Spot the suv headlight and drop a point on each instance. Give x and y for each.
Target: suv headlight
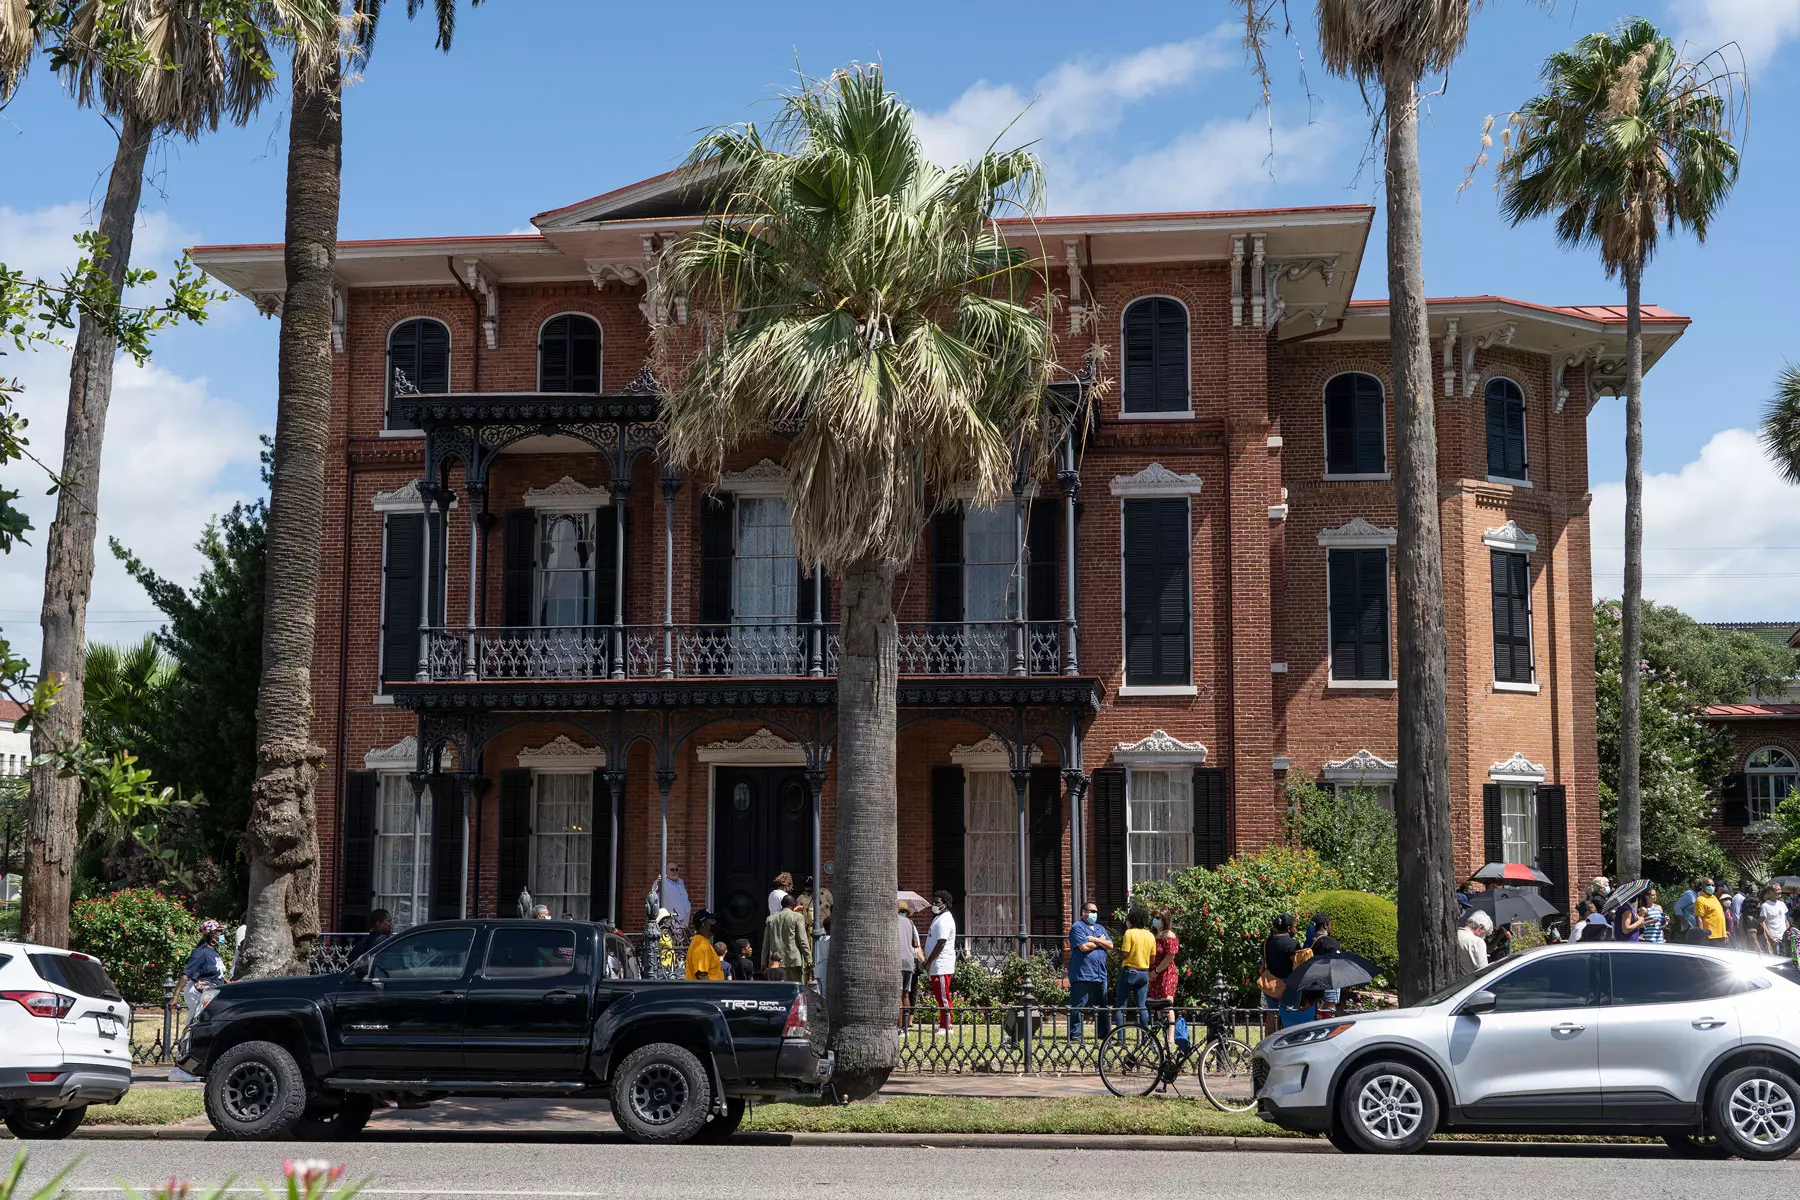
(1309, 1035)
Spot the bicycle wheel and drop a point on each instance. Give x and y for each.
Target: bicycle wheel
(1131, 1060)
(1223, 1066)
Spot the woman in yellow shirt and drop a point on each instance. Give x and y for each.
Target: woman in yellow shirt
(1137, 948)
(702, 959)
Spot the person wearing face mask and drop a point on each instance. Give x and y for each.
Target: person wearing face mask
(940, 957)
(1710, 914)
(1162, 967)
(1136, 950)
(1089, 944)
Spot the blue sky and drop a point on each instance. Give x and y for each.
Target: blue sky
(543, 102)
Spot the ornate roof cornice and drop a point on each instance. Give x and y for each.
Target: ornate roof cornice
(1357, 534)
(1158, 749)
(1156, 480)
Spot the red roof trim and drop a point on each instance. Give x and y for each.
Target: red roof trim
(557, 212)
(1193, 215)
(11, 710)
(416, 241)
(1610, 314)
(1751, 710)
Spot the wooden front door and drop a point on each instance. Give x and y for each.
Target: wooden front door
(762, 826)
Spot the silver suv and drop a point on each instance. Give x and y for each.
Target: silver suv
(1697, 1046)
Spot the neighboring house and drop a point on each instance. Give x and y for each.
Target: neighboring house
(1195, 604)
(1765, 737)
(15, 745)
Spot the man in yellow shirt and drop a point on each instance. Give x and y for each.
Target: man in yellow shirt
(702, 959)
(1136, 949)
(1710, 914)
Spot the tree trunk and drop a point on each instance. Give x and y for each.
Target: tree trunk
(863, 986)
(1422, 797)
(1628, 844)
(51, 836)
(281, 841)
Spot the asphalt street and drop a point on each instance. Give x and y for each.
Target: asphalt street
(603, 1168)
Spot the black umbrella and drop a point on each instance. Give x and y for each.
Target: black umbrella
(1507, 905)
(1338, 969)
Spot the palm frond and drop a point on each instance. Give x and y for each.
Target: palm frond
(1780, 429)
(1357, 37)
(16, 38)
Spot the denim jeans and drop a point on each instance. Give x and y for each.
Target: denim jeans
(1133, 986)
(1088, 993)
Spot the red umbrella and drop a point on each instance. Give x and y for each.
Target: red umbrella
(1512, 873)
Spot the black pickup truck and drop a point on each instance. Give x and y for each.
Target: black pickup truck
(501, 1008)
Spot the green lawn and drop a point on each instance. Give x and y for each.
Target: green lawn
(1093, 1115)
(149, 1106)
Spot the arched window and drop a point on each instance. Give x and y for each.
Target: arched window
(1156, 356)
(1355, 426)
(1506, 430)
(569, 354)
(418, 349)
(1771, 775)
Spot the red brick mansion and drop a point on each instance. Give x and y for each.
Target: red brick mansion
(1112, 675)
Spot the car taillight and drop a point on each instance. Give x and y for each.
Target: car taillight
(42, 1004)
(796, 1018)
(41, 1076)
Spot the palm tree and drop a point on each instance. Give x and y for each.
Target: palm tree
(281, 839)
(1781, 424)
(877, 313)
(1628, 138)
(193, 63)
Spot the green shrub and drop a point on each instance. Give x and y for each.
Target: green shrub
(973, 984)
(140, 936)
(1362, 923)
(1222, 916)
(1046, 981)
(1351, 832)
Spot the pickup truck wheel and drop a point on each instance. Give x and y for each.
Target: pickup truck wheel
(724, 1125)
(255, 1090)
(661, 1094)
(44, 1124)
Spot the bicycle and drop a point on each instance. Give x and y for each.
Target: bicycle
(1135, 1061)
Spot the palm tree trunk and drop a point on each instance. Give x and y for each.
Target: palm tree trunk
(1628, 843)
(863, 987)
(51, 836)
(281, 840)
(1422, 799)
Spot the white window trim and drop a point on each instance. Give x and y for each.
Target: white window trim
(989, 754)
(1156, 480)
(1362, 767)
(1517, 769)
(1352, 536)
(763, 748)
(421, 893)
(1188, 413)
(1524, 426)
(599, 356)
(562, 756)
(567, 495)
(1750, 772)
(1165, 767)
(1325, 451)
(1529, 689)
(406, 497)
(1511, 538)
(766, 478)
(1157, 750)
(1126, 688)
(558, 764)
(1518, 483)
(387, 369)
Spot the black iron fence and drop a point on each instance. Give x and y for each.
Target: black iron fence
(155, 1032)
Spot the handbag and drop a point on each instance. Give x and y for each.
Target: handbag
(1268, 984)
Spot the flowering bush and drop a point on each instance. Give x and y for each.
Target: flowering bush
(140, 936)
(1362, 923)
(1223, 915)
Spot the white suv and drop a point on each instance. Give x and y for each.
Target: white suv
(1697, 1046)
(64, 1039)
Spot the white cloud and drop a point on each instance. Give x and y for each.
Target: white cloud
(1074, 114)
(1719, 535)
(1757, 26)
(171, 444)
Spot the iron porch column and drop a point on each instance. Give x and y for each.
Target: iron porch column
(620, 488)
(671, 484)
(1021, 777)
(615, 785)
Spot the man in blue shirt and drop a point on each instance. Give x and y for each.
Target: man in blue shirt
(1684, 913)
(1088, 946)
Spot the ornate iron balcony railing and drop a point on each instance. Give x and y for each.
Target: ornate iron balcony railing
(771, 649)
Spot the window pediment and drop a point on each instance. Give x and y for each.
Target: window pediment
(1361, 767)
(1510, 537)
(562, 753)
(1517, 769)
(1159, 749)
(762, 748)
(766, 478)
(1156, 480)
(1357, 533)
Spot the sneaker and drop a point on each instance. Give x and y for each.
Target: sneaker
(177, 1075)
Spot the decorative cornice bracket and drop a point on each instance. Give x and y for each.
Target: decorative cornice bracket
(483, 283)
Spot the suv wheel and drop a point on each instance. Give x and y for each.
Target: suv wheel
(1387, 1108)
(661, 1094)
(722, 1126)
(1756, 1112)
(44, 1124)
(255, 1090)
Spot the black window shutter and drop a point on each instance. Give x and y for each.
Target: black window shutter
(1174, 590)
(1371, 427)
(584, 355)
(1171, 357)
(1496, 433)
(606, 564)
(518, 557)
(569, 354)
(401, 596)
(1157, 591)
(716, 516)
(446, 848)
(1108, 792)
(947, 565)
(1341, 597)
(1512, 616)
(515, 839)
(1043, 544)
(1139, 374)
(1212, 818)
(553, 356)
(1493, 838)
(1553, 840)
(403, 356)
(1045, 821)
(1372, 618)
(947, 831)
(1340, 426)
(434, 358)
(356, 846)
(1156, 356)
(1734, 800)
(1505, 430)
(600, 866)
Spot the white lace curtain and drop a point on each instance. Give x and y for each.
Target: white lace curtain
(394, 880)
(991, 855)
(1160, 823)
(561, 845)
(767, 574)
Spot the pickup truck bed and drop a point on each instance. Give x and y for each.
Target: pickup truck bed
(502, 1008)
